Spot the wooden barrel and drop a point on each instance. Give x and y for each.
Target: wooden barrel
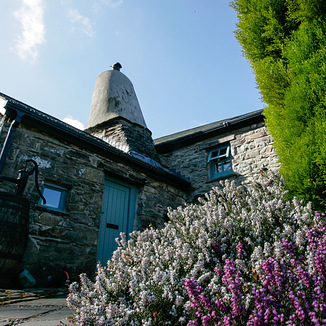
(14, 227)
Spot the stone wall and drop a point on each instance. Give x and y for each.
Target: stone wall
(68, 240)
(251, 150)
(126, 136)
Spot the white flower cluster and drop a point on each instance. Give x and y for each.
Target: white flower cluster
(142, 283)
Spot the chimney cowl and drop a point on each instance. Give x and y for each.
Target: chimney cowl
(117, 66)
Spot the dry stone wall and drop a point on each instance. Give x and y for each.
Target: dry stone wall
(68, 240)
(251, 150)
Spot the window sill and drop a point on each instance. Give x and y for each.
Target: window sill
(223, 177)
(52, 210)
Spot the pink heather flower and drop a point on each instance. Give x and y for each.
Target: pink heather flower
(240, 248)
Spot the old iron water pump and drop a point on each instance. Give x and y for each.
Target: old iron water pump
(14, 222)
(22, 178)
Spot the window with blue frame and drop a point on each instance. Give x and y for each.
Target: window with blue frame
(55, 197)
(220, 162)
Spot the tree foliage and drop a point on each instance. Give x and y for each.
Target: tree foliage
(285, 43)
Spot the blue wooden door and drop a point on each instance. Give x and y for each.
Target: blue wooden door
(118, 212)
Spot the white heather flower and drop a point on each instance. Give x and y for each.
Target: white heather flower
(257, 256)
(278, 250)
(248, 299)
(300, 238)
(150, 269)
(311, 263)
(267, 250)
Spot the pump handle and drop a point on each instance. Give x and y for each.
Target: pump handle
(35, 168)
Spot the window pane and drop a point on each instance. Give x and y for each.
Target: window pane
(214, 154)
(227, 165)
(52, 197)
(223, 151)
(218, 167)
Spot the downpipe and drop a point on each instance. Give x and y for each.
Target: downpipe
(10, 135)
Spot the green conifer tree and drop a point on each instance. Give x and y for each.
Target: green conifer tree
(285, 43)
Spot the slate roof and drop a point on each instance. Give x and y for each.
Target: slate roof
(190, 136)
(70, 134)
(163, 145)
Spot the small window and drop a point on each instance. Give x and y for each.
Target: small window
(219, 161)
(55, 197)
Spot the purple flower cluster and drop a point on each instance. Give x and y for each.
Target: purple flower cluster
(217, 248)
(239, 248)
(200, 303)
(222, 311)
(288, 291)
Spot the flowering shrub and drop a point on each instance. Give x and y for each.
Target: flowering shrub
(288, 291)
(235, 229)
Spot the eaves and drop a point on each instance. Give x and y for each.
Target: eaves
(72, 135)
(188, 137)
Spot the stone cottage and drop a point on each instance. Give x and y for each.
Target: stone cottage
(111, 177)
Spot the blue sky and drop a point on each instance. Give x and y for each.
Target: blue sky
(181, 56)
